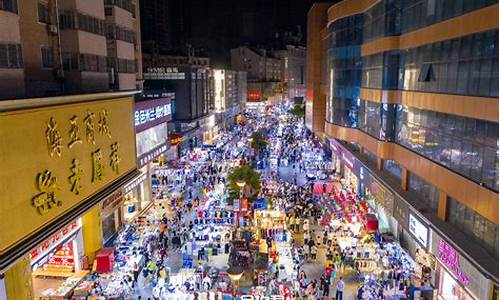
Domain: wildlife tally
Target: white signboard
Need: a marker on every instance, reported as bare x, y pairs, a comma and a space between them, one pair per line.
418, 230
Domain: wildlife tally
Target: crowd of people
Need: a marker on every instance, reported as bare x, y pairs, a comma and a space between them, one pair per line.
312, 250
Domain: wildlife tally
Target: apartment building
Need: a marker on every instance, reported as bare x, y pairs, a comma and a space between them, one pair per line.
406, 93
52, 47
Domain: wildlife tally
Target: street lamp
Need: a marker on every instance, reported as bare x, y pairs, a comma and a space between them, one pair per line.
241, 184
235, 273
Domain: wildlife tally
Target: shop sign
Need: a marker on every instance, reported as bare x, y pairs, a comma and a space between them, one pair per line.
151, 113
418, 230
401, 211
382, 196
151, 155
176, 139
450, 258
53, 159
163, 73
111, 202
134, 183
50, 243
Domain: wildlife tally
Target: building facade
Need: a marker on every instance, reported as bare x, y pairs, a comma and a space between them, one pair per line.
293, 72
264, 72
190, 109
59, 47
229, 90
410, 90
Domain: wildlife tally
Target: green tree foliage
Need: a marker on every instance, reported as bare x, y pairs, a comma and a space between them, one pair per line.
299, 110
258, 141
250, 177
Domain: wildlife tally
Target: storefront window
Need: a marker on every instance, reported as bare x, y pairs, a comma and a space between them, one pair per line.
451, 289
108, 227
151, 138
473, 225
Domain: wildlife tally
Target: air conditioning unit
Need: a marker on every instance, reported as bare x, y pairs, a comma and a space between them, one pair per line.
52, 29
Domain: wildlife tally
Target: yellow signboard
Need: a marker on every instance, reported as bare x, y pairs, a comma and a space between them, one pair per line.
53, 158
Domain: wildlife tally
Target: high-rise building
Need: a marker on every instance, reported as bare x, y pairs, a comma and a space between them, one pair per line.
407, 95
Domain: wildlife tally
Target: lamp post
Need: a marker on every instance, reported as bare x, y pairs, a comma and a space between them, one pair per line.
241, 184
235, 273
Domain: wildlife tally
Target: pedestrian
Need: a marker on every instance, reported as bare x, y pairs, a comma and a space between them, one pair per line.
340, 289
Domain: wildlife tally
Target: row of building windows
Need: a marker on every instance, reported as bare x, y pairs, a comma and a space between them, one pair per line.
395, 17
97, 63
125, 4
9, 5
84, 62
393, 169
465, 145
416, 14
115, 32
11, 56
465, 66
465, 219
72, 20
425, 191
473, 225
123, 65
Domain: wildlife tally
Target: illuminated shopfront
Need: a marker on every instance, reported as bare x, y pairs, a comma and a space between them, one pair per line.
73, 156
111, 214
59, 258
456, 277
152, 142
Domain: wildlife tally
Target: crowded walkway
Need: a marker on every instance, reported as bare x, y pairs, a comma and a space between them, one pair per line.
305, 234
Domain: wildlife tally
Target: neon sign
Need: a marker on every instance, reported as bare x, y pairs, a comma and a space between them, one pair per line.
450, 258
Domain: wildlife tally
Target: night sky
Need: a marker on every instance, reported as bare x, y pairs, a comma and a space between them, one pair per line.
213, 27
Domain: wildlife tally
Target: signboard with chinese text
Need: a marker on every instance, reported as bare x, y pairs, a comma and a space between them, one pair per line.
461, 268
418, 230
111, 202
54, 158
51, 242
151, 113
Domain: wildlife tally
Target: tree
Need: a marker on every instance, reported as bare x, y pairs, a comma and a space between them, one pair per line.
250, 177
299, 110
258, 141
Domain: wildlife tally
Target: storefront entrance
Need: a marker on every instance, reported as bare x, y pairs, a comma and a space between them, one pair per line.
56, 264
451, 289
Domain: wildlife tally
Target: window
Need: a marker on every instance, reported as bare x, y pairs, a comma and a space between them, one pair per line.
108, 11
473, 225
43, 12
84, 62
424, 191
10, 56
47, 57
9, 5
393, 169
426, 73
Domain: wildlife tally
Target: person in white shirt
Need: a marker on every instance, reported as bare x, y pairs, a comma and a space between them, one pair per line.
340, 289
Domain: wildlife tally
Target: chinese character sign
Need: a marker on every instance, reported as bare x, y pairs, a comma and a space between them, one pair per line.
70, 152
46, 184
450, 258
